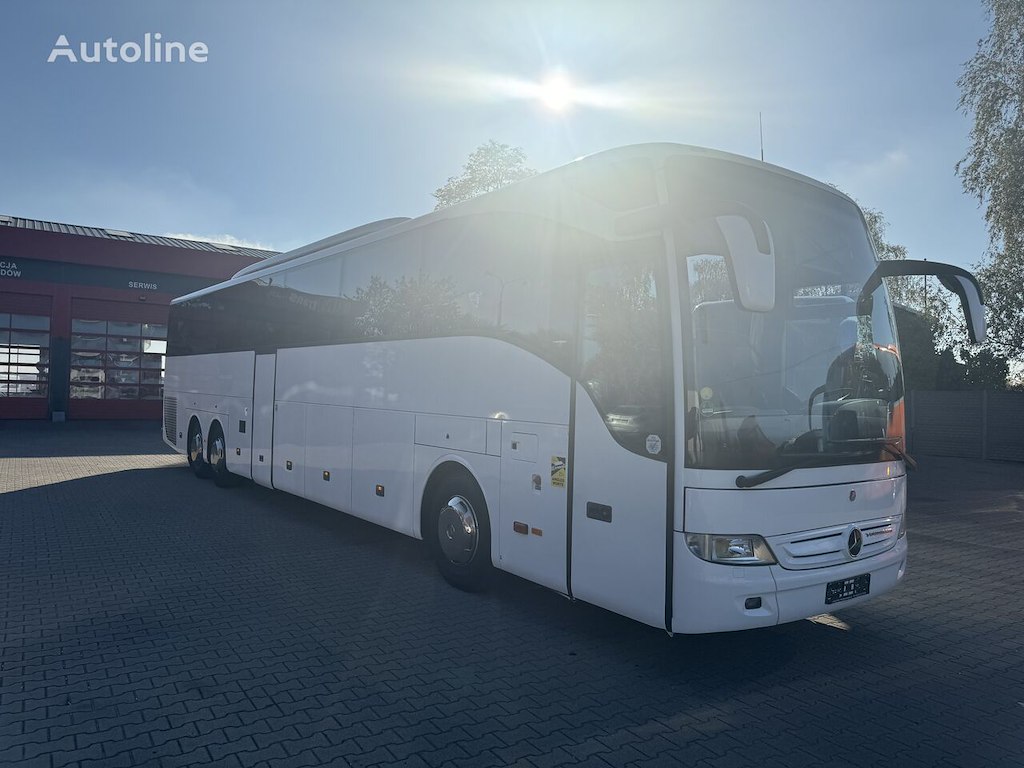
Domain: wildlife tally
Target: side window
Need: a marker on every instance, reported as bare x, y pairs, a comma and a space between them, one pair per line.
506, 276
512, 277
537, 303
308, 309
233, 319
392, 293
623, 357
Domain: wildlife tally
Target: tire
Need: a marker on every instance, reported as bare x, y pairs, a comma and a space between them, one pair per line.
460, 533
218, 458
196, 454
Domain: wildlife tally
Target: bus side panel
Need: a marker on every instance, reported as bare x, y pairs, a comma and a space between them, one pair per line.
467, 376
263, 419
290, 447
531, 528
219, 376
214, 388
382, 469
328, 461
238, 439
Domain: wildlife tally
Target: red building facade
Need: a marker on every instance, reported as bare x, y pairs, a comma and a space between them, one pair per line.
83, 316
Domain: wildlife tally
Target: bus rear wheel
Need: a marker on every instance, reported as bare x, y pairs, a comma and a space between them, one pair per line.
196, 454
219, 458
462, 534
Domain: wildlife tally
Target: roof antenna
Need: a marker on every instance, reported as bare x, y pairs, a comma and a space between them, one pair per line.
760, 128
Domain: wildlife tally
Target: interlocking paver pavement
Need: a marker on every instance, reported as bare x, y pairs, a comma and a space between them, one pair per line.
150, 618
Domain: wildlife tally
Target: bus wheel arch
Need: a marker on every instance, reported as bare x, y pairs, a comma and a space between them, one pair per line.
455, 525
195, 449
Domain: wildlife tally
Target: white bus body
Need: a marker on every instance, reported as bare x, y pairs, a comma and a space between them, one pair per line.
622, 380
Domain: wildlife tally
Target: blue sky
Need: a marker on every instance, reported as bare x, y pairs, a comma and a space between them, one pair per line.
310, 118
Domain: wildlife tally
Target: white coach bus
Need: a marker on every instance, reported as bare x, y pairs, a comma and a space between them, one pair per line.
661, 379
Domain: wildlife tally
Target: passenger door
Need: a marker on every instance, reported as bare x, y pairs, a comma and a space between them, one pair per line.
622, 431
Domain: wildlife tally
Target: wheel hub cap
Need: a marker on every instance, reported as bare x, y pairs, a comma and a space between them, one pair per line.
195, 449
217, 451
457, 530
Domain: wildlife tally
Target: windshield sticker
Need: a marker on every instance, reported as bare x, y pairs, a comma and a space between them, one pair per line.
653, 445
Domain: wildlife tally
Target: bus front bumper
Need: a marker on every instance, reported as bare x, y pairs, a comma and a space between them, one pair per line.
710, 597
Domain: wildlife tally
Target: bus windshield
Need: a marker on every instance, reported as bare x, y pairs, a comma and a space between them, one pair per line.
813, 381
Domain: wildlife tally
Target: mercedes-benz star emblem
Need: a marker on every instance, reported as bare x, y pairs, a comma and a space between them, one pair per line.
855, 542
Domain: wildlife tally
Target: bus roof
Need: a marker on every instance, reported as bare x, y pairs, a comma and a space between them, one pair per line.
530, 195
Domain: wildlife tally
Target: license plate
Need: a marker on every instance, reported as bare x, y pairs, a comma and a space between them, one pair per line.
845, 589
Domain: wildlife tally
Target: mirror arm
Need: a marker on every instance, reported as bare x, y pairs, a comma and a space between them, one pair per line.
951, 277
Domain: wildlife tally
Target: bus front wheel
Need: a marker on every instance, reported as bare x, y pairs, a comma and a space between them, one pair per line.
462, 534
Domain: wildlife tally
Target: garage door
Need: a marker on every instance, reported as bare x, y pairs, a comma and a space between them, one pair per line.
117, 360
24, 356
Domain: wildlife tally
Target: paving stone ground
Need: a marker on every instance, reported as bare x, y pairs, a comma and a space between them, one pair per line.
150, 618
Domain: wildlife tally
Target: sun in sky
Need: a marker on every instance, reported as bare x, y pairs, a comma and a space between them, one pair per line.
555, 91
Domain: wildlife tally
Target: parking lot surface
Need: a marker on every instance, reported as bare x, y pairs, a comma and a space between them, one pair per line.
150, 618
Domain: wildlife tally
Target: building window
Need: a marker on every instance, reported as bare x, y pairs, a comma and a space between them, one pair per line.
24, 355
115, 360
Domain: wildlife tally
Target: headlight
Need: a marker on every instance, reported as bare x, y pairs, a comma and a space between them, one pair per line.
903, 525
730, 550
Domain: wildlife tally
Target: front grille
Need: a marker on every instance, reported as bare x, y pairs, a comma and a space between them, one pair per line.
828, 546
171, 419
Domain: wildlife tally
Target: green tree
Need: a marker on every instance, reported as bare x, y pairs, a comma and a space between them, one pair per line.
923, 317
933, 336
950, 373
878, 226
1002, 279
984, 369
921, 294
992, 89
410, 305
489, 167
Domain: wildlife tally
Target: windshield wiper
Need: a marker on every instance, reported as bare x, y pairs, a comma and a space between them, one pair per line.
749, 481
825, 460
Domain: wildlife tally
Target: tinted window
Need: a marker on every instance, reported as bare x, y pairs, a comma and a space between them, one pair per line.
495, 275
622, 346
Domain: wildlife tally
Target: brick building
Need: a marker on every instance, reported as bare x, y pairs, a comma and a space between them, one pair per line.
83, 315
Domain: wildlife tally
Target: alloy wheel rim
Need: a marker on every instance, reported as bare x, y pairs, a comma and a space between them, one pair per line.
217, 451
458, 530
195, 448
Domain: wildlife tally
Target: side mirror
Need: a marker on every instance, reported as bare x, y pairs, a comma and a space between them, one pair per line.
722, 228
959, 281
752, 258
